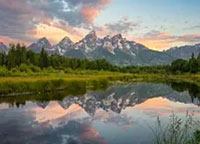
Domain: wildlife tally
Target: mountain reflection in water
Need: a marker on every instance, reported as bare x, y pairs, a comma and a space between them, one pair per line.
118, 115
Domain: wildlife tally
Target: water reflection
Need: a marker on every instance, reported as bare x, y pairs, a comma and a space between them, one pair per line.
120, 114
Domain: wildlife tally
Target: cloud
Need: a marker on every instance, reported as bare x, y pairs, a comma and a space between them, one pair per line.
16, 19
193, 27
92, 10
191, 38
122, 26
163, 40
19, 19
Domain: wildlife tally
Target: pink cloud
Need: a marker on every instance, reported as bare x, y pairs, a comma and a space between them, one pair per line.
90, 12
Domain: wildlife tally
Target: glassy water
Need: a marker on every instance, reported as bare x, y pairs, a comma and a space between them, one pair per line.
119, 115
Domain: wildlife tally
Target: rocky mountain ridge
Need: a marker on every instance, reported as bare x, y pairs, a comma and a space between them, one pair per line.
115, 49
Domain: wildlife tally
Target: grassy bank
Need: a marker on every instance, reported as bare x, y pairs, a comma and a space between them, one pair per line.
60, 81
79, 80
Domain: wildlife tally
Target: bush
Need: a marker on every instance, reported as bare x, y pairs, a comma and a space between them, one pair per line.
24, 68
3, 71
68, 70
14, 70
34, 68
50, 70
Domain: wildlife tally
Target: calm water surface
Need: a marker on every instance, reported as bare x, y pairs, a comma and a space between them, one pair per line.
119, 115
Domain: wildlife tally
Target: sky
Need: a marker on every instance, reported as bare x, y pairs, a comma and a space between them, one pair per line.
158, 24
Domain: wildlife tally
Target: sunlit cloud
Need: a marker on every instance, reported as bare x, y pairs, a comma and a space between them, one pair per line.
24, 19
27, 20
54, 34
91, 11
163, 40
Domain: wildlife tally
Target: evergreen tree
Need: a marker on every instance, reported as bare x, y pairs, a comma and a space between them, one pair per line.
3, 59
43, 59
193, 65
11, 58
198, 60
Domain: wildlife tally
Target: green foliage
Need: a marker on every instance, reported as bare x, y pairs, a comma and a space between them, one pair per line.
179, 66
182, 66
197, 136
193, 65
49, 70
34, 69
43, 59
24, 68
68, 70
3, 71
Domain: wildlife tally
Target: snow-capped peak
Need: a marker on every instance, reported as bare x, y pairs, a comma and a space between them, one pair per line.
64, 45
66, 41
117, 36
89, 43
43, 43
91, 36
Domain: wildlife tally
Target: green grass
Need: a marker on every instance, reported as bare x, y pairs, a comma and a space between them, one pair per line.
48, 82
59, 81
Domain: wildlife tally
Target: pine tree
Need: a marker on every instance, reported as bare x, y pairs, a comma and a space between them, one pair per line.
198, 60
43, 59
11, 58
193, 65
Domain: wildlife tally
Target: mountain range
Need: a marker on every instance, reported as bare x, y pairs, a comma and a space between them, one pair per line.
115, 49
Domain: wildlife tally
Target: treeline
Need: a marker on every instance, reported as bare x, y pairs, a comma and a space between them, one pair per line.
20, 55
186, 66
20, 59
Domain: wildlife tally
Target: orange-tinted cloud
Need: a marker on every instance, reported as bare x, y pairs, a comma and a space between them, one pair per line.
20, 19
8, 40
164, 40
90, 12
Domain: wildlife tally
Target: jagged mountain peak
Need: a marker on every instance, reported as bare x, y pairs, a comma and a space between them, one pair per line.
117, 36
91, 35
66, 40
108, 37
43, 40
93, 32
64, 45
39, 44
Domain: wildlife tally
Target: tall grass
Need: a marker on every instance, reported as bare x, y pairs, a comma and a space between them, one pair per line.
177, 131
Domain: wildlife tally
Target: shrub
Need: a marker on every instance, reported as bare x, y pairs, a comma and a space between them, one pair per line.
14, 70
3, 71
24, 68
50, 70
34, 68
68, 70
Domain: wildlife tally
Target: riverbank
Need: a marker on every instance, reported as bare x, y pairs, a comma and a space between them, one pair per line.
82, 81
60, 81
